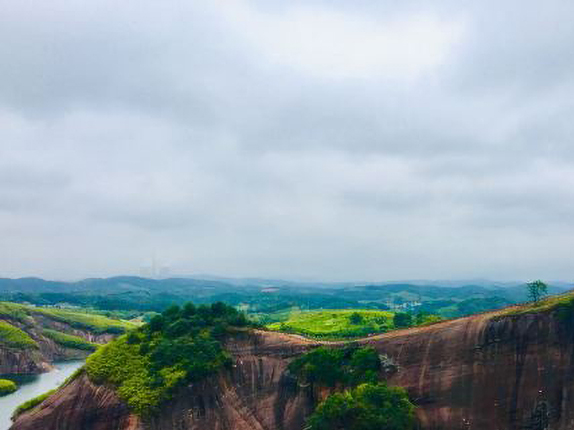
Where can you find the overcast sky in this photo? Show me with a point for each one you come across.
(335, 140)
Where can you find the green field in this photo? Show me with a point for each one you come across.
(336, 323)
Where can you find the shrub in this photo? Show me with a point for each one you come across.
(13, 337)
(7, 387)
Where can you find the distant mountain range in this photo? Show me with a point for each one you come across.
(451, 298)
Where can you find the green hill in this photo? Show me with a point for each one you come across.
(336, 323)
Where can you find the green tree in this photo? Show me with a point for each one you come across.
(367, 407)
(321, 365)
(536, 289)
(356, 318)
(402, 319)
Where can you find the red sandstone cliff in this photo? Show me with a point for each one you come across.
(479, 373)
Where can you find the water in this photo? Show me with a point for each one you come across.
(31, 386)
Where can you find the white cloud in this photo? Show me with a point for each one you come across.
(326, 139)
(327, 43)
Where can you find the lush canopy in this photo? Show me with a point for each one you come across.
(367, 407)
(180, 345)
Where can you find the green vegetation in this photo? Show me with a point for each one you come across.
(452, 309)
(345, 324)
(32, 403)
(351, 365)
(371, 405)
(13, 337)
(181, 345)
(81, 319)
(536, 290)
(367, 407)
(402, 320)
(13, 311)
(7, 387)
(84, 320)
(336, 323)
(119, 295)
(69, 341)
(562, 303)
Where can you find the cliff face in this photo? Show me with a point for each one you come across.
(516, 372)
(81, 405)
(22, 361)
(508, 373)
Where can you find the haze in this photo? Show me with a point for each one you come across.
(306, 139)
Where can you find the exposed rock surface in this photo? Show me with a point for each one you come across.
(479, 373)
(81, 405)
(22, 361)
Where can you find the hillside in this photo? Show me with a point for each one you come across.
(503, 370)
(31, 338)
(336, 323)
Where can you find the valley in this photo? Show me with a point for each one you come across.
(505, 369)
(32, 338)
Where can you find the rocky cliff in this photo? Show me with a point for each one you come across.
(506, 372)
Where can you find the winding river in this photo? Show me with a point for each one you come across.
(31, 386)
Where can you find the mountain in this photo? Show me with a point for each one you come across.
(505, 370)
(263, 295)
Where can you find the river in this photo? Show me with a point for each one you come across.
(31, 386)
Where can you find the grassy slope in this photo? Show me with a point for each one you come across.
(69, 341)
(13, 337)
(79, 319)
(561, 301)
(75, 318)
(335, 323)
(21, 326)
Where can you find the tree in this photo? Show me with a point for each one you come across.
(536, 289)
(402, 319)
(356, 318)
(367, 407)
(321, 365)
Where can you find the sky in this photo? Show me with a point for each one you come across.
(331, 140)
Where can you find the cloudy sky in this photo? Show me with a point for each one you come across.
(335, 140)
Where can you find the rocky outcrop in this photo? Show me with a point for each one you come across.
(22, 361)
(81, 405)
(477, 373)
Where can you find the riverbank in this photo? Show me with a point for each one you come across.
(31, 386)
